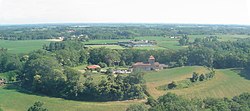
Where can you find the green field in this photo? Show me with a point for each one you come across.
(12, 100)
(22, 46)
(162, 42)
(227, 83)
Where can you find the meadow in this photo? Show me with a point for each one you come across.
(227, 83)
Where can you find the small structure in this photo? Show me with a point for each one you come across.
(121, 71)
(93, 67)
(148, 66)
(2, 81)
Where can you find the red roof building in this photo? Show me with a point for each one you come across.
(93, 67)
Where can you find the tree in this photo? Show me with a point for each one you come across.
(202, 77)
(195, 77)
(38, 106)
(172, 102)
(74, 84)
(43, 74)
(109, 71)
(184, 40)
(172, 85)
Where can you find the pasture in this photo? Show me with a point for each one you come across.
(227, 83)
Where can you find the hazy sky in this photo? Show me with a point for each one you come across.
(125, 11)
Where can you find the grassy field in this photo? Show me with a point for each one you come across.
(12, 100)
(227, 83)
(23, 46)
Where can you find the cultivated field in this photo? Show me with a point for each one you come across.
(227, 83)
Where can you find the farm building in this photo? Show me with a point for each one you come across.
(93, 67)
(136, 43)
(150, 65)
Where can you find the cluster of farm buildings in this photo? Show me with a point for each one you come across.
(138, 66)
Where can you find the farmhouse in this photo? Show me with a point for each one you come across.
(148, 66)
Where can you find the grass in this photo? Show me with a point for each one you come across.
(22, 46)
(12, 100)
(227, 83)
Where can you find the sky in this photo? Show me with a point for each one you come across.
(125, 11)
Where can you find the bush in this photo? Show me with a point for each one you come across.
(38, 106)
(109, 71)
(202, 77)
(172, 85)
(195, 77)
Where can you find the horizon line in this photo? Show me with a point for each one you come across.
(156, 23)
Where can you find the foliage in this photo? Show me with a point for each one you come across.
(43, 74)
(38, 106)
(170, 102)
(184, 40)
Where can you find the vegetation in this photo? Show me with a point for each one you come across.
(53, 70)
(170, 102)
(38, 106)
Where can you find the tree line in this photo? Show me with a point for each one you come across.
(114, 31)
(172, 102)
